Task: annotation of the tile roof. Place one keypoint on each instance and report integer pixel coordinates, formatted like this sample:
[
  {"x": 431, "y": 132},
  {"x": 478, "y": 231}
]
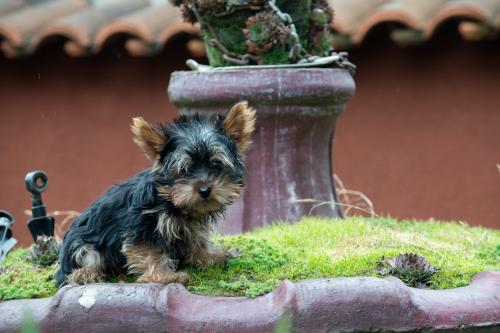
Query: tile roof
[{"x": 87, "y": 24}]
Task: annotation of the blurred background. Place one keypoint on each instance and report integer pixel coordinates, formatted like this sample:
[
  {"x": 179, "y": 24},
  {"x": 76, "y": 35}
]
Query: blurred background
[{"x": 421, "y": 138}]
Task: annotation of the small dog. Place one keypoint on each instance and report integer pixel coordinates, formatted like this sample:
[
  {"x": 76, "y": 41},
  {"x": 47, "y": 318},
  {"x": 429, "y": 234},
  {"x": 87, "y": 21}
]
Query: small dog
[{"x": 161, "y": 219}]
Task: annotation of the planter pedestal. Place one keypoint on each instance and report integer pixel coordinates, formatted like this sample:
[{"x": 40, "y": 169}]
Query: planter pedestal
[{"x": 290, "y": 159}]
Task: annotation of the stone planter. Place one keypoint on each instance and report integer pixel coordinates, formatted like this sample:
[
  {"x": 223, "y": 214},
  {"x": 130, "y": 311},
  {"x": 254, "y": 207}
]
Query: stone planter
[
  {"x": 297, "y": 109},
  {"x": 324, "y": 305}
]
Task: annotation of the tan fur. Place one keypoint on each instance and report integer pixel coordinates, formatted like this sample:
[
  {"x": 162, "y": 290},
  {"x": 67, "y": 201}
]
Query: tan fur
[
  {"x": 167, "y": 227},
  {"x": 225, "y": 192},
  {"x": 193, "y": 232},
  {"x": 151, "y": 265},
  {"x": 148, "y": 138},
  {"x": 239, "y": 124},
  {"x": 186, "y": 195},
  {"x": 85, "y": 275},
  {"x": 165, "y": 192}
]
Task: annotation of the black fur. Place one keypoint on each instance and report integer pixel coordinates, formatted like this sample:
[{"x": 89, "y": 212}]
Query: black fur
[{"x": 128, "y": 212}]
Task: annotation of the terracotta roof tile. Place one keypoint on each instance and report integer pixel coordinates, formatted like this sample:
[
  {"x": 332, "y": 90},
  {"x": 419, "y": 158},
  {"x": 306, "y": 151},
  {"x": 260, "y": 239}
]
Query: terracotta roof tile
[
  {"x": 149, "y": 24},
  {"x": 420, "y": 19},
  {"x": 8, "y": 6},
  {"x": 149, "y": 28},
  {"x": 19, "y": 27},
  {"x": 81, "y": 28}
]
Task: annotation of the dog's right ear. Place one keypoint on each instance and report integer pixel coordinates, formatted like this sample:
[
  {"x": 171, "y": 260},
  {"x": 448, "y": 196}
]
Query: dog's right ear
[
  {"x": 149, "y": 138},
  {"x": 239, "y": 124}
]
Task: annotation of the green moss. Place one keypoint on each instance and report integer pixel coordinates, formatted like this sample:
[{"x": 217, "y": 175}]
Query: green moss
[
  {"x": 313, "y": 248},
  {"x": 300, "y": 11},
  {"x": 277, "y": 55},
  {"x": 324, "y": 45},
  {"x": 229, "y": 30},
  {"x": 317, "y": 248},
  {"x": 20, "y": 279},
  {"x": 319, "y": 17}
]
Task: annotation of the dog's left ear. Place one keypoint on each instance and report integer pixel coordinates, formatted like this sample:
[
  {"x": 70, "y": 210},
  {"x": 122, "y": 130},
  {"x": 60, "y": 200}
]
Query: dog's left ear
[
  {"x": 239, "y": 124},
  {"x": 149, "y": 138}
]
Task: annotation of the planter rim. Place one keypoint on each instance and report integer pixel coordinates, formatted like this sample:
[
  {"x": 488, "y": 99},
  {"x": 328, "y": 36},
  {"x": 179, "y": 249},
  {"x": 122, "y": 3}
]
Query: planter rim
[
  {"x": 294, "y": 87},
  {"x": 338, "y": 304},
  {"x": 336, "y": 60},
  {"x": 259, "y": 69}
]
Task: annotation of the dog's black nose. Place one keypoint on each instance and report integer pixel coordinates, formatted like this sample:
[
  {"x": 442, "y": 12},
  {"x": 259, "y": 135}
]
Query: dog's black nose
[{"x": 205, "y": 191}]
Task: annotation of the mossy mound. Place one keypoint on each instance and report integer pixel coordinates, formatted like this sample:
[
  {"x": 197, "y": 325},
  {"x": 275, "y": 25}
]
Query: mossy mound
[
  {"x": 313, "y": 248},
  {"x": 316, "y": 248},
  {"x": 19, "y": 278}
]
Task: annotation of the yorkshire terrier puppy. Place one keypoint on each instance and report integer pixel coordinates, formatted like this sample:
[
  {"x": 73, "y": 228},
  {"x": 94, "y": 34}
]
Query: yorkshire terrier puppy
[{"x": 161, "y": 219}]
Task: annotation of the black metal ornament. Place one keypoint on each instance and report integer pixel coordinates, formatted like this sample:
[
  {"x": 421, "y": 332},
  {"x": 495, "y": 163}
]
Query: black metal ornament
[
  {"x": 40, "y": 224},
  {"x": 7, "y": 242}
]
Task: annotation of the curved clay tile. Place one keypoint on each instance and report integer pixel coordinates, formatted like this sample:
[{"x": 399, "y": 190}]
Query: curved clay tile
[
  {"x": 484, "y": 11},
  {"x": 475, "y": 31},
  {"x": 8, "y": 6},
  {"x": 19, "y": 27},
  {"x": 81, "y": 28},
  {"x": 410, "y": 13},
  {"x": 177, "y": 27},
  {"x": 350, "y": 13},
  {"x": 149, "y": 28}
]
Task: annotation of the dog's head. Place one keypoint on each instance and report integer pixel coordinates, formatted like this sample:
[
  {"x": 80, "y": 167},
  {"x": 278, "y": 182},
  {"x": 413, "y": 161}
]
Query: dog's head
[{"x": 199, "y": 161}]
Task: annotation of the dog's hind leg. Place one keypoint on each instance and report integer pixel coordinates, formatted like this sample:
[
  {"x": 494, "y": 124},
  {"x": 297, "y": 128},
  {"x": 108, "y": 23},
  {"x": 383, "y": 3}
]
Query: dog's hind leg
[
  {"x": 91, "y": 266},
  {"x": 151, "y": 265}
]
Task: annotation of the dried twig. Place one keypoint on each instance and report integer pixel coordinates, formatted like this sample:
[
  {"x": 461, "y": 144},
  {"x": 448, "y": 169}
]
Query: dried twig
[{"x": 352, "y": 202}]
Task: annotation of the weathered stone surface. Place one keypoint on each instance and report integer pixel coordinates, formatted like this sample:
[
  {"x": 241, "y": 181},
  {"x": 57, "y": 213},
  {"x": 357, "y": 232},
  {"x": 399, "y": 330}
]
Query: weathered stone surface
[
  {"x": 324, "y": 305},
  {"x": 291, "y": 156}
]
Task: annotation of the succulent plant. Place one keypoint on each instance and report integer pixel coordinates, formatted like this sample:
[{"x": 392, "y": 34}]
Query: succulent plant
[
  {"x": 45, "y": 251},
  {"x": 266, "y": 35},
  {"x": 411, "y": 268},
  {"x": 246, "y": 32}
]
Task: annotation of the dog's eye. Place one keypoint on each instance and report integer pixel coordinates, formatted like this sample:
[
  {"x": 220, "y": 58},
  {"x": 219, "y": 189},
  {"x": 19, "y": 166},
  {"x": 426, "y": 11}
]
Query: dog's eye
[{"x": 216, "y": 164}]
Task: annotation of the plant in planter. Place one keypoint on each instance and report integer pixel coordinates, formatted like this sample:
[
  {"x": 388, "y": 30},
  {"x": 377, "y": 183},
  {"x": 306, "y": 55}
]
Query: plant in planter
[
  {"x": 278, "y": 55},
  {"x": 245, "y": 32}
]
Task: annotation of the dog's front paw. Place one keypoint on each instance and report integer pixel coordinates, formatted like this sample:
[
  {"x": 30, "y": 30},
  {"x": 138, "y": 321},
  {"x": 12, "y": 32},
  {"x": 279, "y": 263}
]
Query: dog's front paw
[
  {"x": 165, "y": 278},
  {"x": 84, "y": 275},
  {"x": 226, "y": 254},
  {"x": 221, "y": 256}
]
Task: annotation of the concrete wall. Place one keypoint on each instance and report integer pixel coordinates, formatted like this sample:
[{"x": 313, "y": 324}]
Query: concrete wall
[
  {"x": 421, "y": 138},
  {"x": 422, "y": 135}
]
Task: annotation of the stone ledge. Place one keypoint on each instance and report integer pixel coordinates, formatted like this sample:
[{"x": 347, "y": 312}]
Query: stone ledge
[{"x": 322, "y": 305}]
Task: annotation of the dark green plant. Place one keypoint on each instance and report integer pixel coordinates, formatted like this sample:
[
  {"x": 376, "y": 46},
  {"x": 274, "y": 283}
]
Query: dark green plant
[
  {"x": 45, "y": 251},
  {"x": 411, "y": 268},
  {"x": 264, "y": 32}
]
